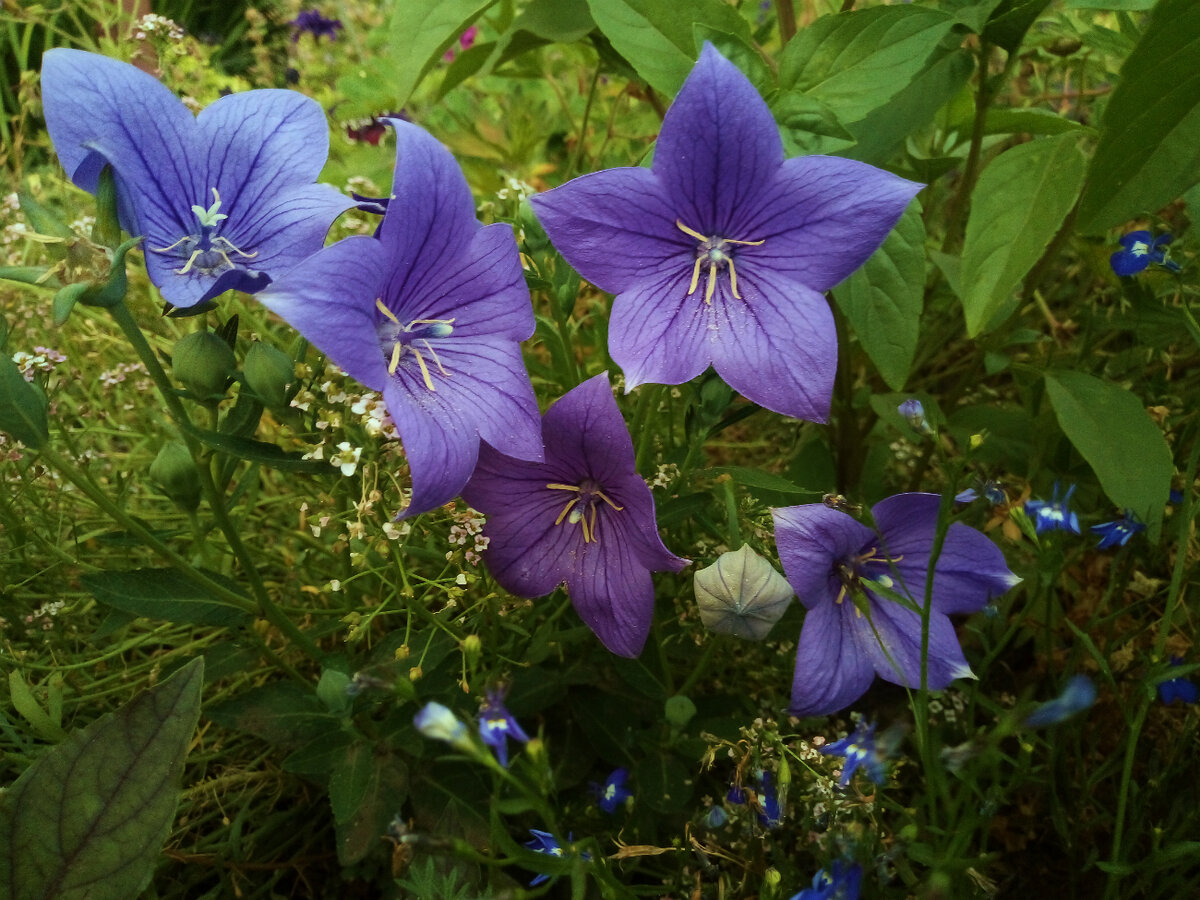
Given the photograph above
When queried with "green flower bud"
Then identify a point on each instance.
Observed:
(741, 594)
(679, 710)
(174, 471)
(269, 373)
(203, 363)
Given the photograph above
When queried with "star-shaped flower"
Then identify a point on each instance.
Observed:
(497, 725)
(864, 590)
(614, 792)
(312, 22)
(1182, 689)
(430, 312)
(583, 517)
(718, 254)
(1054, 514)
(841, 881)
(545, 842)
(860, 751)
(1118, 532)
(1140, 249)
(225, 200)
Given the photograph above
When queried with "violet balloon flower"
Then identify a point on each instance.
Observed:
(583, 517)
(864, 590)
(719, 252)
(430, 312)
(225, 200)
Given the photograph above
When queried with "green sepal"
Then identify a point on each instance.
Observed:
(114, 289)
(107, 228)
(65, 300)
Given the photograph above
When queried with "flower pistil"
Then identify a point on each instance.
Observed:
(396, 339)
(585, 513)
(205, 253)
(715, 251)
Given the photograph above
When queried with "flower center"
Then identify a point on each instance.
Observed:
(718, 254)
(205, 251)
(1139, 248)
(851, 571)
(399, 342)
(583, 507)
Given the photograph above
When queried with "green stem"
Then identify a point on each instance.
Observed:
(577, 156)
(1123, 797)
(961, 200)
(786, 16)
(1181, 554)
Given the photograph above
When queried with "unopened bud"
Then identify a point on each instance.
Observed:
(472, 648)
(174, 471)
(269, 373)
(741, 594)
(203, 362)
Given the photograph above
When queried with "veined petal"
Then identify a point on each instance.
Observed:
(441, 445)
(718, 143)
(892, 637)
(641, 527)
(811, 538)
(970, 570)
(430, 219)
(330, 299)
(833, 664)
(102, 110)
(777, 345)
(821, 217)
(615, 227)
(659, 334)
(586, 435)
(288, 229)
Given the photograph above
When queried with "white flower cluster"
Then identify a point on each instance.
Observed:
(42, 359)
(160, 26)
(468, 527)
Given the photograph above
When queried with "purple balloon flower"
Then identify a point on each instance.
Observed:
(225, 200)
(430, 312)
(718, 254)
(864, 590)
(583, 517)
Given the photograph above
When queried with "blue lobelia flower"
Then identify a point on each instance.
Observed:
(312, 22)
(439, 723)
(614, 792)
(225, 200)
(1054, 514)
(1182, 689)
(864, 590)
(497, 725)
(767, 809)
(1140, 249)
(1078, 695)
(841, 881)
(1117, 533)
(860, 752)
(545, 842)
(430, 312)
(583, 517)
(719, 252)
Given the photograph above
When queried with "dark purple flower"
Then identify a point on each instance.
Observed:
(1182, 689)
(718, 254)
(864, 591)
(311, 21)
(1117, 533)
(1078, 695)
(497, 725)
(1054, 514)
(430, 312)
(842, 881)
(614, 792)
(860, 751)
(1140, 249)
(225, 200)
(583, 517)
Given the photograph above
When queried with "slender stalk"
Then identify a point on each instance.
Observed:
(786, 16)
(577, 156)
(958, 205)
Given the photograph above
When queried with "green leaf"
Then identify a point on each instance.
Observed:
(1011, 20)
(756, 478)
(1127, 5)
(383, 792)
(30, 276)
(883, 299)
(348, 780)
(279, 713)
(561, 21)
(259, 451)
(656, 36)
(808, 126)
(22, 406)
(856, 61)
(1111, 429)
(88, 819)
(1019, 204)
(1027, 121)
(168, 595)
(27, 706)
(1149, 150)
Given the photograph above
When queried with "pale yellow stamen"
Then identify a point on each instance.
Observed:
(713, 250)
(697, 235)
(424, 369)
(187, 266)
(603, 496)
(387, 312)
(566, 509)
(433, 353)
(394, 364)
(563, 487)
(712, 284)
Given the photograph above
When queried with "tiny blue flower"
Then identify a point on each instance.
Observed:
(716, 817)
(545, 842)
(914, 413)
(1182, 689)
(1141, 249)
(737, 795)
(841, 881)
(1117, 533)
(1054, 514)
(768, 811)
(1175, 497)
(613, 792)
(497, 725)
(1078, 695)
(860, 752)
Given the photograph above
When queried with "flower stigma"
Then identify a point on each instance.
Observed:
(206, 253)
(716, 252)
(584, 514)
(397, 340)
(850, 572)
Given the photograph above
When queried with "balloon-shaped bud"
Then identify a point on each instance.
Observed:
(741, 594)
(203, 363)
(174, 471)
(269, 373)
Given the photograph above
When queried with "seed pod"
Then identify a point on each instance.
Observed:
(741, 594)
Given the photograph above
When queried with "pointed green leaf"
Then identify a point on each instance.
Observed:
(1017, 207)
(883, 299)
(379, 798)
(88, 819)
(1010, 21)
(279, 713)
(22, 406)
(30, 276)
(165, 594)
(1111, 429)
(1149, 150)
(259, 451)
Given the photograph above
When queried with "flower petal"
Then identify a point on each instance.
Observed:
(833, 664)
(821, 217)
(1126, 262)
(586, 435)
(289, 229)
(614, 227)
(970, 570)
(777, 345)
(440, 442)
(718, 144)
(893, 639)
(811, 538)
